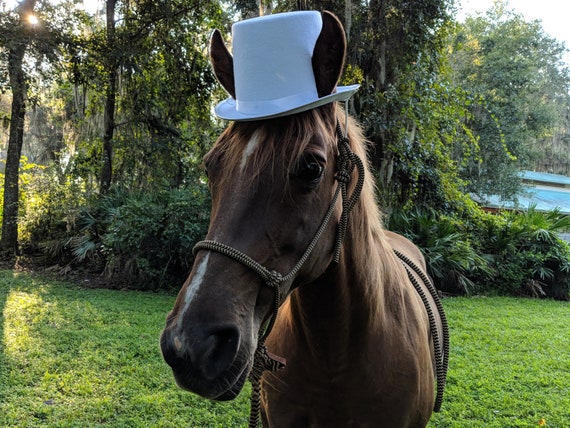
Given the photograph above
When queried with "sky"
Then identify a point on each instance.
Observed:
(554, 15)
(92, 5)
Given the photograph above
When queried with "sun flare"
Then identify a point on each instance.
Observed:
(33, 19)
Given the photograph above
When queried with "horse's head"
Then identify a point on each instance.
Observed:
(272, 184)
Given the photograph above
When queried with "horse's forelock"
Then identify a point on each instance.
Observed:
(287, 138)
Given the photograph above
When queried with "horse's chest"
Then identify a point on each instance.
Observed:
(353, 393)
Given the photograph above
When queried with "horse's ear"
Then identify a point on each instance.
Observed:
(328, 55)
(222, 62)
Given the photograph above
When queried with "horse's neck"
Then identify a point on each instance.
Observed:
(346, 301)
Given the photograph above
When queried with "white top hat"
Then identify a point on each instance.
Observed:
(272, 67)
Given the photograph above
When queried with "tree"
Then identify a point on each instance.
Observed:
(519, 90)
(19, 31)
(156, 129)
(145, 91)
(165, 109)
(396, 52)
(111, 71)
(30, 39)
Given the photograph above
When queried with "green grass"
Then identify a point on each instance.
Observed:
(76, 357)
(509, 364)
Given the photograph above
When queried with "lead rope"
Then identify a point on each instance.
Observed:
(441, 350)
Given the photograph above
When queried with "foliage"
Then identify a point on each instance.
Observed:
(528, 257)
(149, 237)
(142, 239)
(509, 253)
(519, 86)
(25, 41)
(450, 256)
(50, 201)
(410, 112)
(419, 166)
(28, 171)
(164, 88)
(75, 357)
(162, 128)
(43, 40)
(166, 81)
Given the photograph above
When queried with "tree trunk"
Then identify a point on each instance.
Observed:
(17, 49)
(347, 18)
(110, 99)
(378, 67)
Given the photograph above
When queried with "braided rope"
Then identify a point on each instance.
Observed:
(264, 362)
(255, 400)
(346, 163)
(441, 349)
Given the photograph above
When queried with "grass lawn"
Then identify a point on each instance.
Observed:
(76, 357)
(509, 364)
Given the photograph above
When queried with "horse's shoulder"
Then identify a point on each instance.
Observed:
(406, 247)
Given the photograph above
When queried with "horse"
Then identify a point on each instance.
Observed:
(296, 259)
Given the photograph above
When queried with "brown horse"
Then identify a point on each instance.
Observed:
(355, 332)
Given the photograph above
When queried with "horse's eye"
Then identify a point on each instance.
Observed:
(309, 169)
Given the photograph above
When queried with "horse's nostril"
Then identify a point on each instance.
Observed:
(178, 344)
(172, 348)
(206, 354)
(216, 352)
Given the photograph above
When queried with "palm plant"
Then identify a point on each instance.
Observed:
(451, 259)
(527, 252)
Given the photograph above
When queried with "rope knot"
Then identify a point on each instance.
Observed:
(266, 361)
(272, 278)
(343, 176)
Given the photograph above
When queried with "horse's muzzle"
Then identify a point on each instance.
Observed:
(207, 363)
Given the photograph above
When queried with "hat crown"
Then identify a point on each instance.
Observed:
(272, 59)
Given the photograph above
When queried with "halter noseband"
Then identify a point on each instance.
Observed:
(346, 162)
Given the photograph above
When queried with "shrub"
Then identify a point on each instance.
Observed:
(144, 239)
(451, 259)
(513, 253)
(527, 254)
(49, 204)
(141, 239)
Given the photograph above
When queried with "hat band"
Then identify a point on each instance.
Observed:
(278, 105)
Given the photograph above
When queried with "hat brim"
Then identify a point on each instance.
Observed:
(227, 108)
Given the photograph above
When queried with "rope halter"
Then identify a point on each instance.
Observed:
(264, 360)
